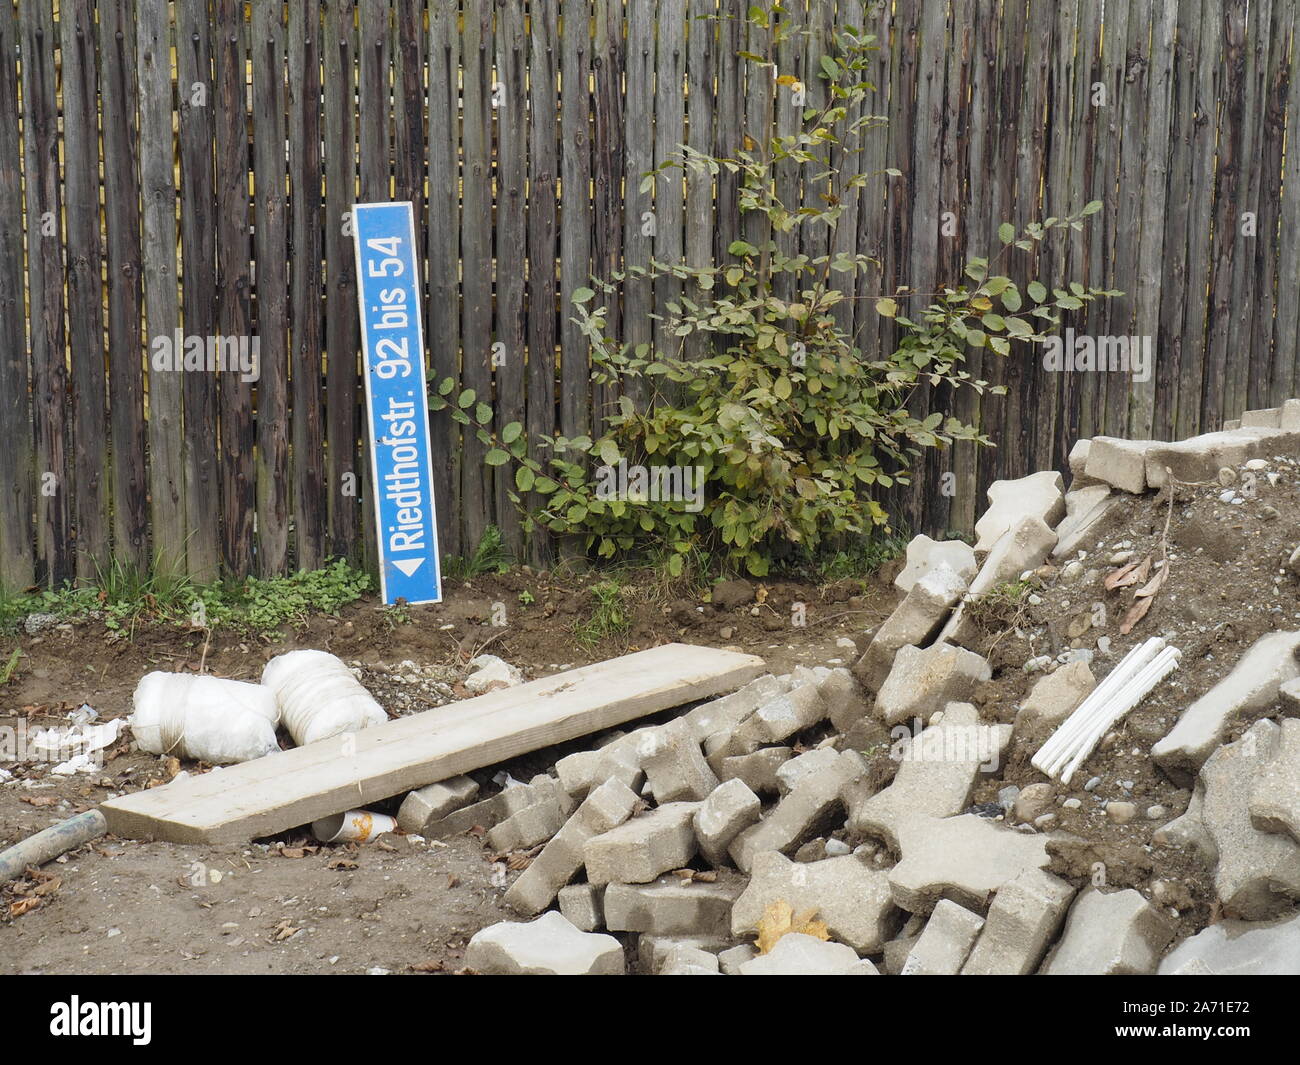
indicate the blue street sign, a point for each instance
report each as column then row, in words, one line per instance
column 397, row 408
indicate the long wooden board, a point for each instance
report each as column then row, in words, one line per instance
column 294, row 787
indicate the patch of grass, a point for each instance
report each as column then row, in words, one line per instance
column 863, row 559
column 10, row 668
column 609, row 615
column 491, row 556
column 123, row 597
column 1002, row 608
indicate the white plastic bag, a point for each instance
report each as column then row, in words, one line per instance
column 319, row 697
column 205, row 718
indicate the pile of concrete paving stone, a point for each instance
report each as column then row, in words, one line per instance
column 680, row 837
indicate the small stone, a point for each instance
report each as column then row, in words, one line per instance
column 548, row 946
column 1121, row 813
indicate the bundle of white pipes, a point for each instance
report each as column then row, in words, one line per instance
column 1126, row 685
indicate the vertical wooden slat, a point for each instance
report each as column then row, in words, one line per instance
column 408, row 98
column 543, row 162
column 444, row 257
column 1287, row 348
column 343, row 474
column 122, row 237
column 1200, row 195
column 510, row 343
column 162, row 311
column 17, row 562
column 195, row 103
column 815, row 240
column 80, row 70
column 847, row 159
column 701, row 63
column 728, row 128
column 607, row 176
column 670, row 132
column 476, row 262
column 1150, row 252
column 638, row 156
column 791, row 56
column 1273, row 390
column 269, row 96
column 308, row 439
column 1216, row 390
column 1174, row 292
column 45, row 288
column 576, row 217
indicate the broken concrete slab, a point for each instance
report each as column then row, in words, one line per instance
column 548, row 946
column 1051, row 701
column 1200, row 458
column 937, row 771
column 796, row 769
column 943, row 945
column 778, row 719
column 731, row 959
column 1251, row 686
column 606, row 807
column 652, row 951
column 671, row 906
column 637, row 851
column 1078, row 461
column 915, row 621
column 846, row 702
column 675, row 767
column 965, row 859
column 728, row 810
column 682, row 959
column 1023, row 919
column 811, row 808
column 582, row 906
column 434, row 802
column 1120, row 463
column 757, row 770
column 720, row 716
column 1269, row 418
column 851, row 897
column 796, row 954
column 1040, row 495
column 1275, row 794
column 1257, row 874
column 925, row 554
column 1115, row 934
column 1238, row 948
column 1086, row 510
column 923, row 681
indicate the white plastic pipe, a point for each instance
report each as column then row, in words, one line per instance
column 1132, row 663
column 205, row 718
column 1132, row 694
column 318, row 696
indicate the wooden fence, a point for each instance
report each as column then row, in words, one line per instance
column 173, row 170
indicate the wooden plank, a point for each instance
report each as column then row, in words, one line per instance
column 792, row 57
column 85, row 290
column 1200, row 194
column 1216, row 391
column 271, row 244
column 510, row 339
column 122, row 237
column 1084, row 246
column 238, row 499
column 543, row 166
column 408, row 97
column 198, row 287
column 342, row 340
column 670, row 189
column 638, row 156
column 305, row 269
column 17, row 558
column 1150, row 253
column 444, row 258
column 758, row 126
column 847, row 158
column 729, row 124
column 45, row 289
column 575, row 214
column 701, row 64
column 1174, row 292
column 1269, row 389
column 607, row 177
column 294, row 787
column 476, row 263
column 161, row 302
column 1288, row 252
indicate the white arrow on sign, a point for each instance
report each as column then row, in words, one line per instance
column 409, row 566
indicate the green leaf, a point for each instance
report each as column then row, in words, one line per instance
column 1006, row 232
column 1092, row 208
column 496, row 457
column 524, row 479
column 741, row 247
column 511, row 432
column 583, row 295
column 1037, row 291
column 466, row 398
column 608, row 451
column 886, row 308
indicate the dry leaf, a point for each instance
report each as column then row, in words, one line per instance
column 426, row 967
column 21, row 906
column 1153, row 585
column 340, row 863
column 39, row 800
column 780, row 918
column 1135, row 614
